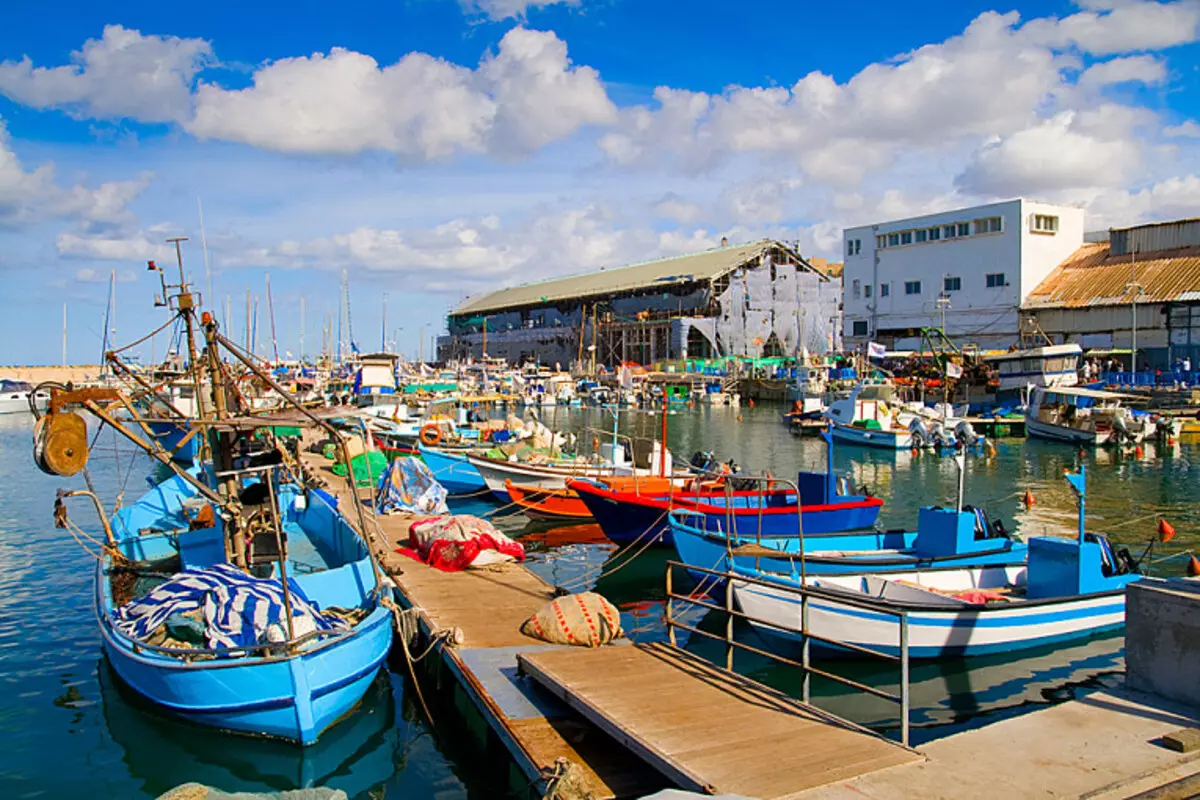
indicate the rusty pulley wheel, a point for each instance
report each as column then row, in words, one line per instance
column 60, row 445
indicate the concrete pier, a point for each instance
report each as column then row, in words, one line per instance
column 1162, row 638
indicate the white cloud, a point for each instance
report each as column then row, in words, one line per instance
column 497, row 10
column 28, row 197
column 1109, row 27
column 525, row 96
column 111, row 247
column 672, row 206
column 122, row 74
column 1185, row 130
column 1053, row 156
column 1126, row 69
column 1175, row 198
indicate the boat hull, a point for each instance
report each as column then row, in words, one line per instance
column 866, row 551
column 295, row 698
column 884, row 440
column 548, row 503
column 627, row 518
column 170, row 434
column 453, row 471
column 1060, row 433
column 931, row 633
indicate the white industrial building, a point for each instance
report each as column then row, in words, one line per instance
column 970, row 269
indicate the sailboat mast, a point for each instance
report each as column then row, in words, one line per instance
column 271, row 316
column 64, row 338
column 112, row 277
column 383, row 327
column 302, row 313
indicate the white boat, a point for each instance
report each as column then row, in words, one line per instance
column 14, row 397
column 1050, row 365
column 872, row 416
column 1083, row 416
column 554, row 475
column 1068, row 589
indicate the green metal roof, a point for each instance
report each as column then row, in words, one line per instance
column 701, row 266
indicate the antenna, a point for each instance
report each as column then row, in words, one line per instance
column 204, row 246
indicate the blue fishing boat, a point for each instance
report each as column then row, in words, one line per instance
column 452, row 470
column 233, row 593
column 293, row 687
column 176, row 437
column 1069, row 589
column 825, row 505
column 944, row 537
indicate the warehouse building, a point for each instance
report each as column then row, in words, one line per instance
column 756, row 299
column 1141, row 282
column 967, row 271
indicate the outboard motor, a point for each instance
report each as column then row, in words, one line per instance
column 1121, row 426
column 940, row 436
column 920, row 433
column 1164, row 428
column 966, row 434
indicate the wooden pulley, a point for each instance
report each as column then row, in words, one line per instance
column 60, row 443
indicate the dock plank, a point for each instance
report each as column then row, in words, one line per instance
column 707, row 729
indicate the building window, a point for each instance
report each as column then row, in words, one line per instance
column 893, row 239
column 949, row 231
column 1045, row 223
column 867, row 290
column 881, row 241
column 952, row 284
column 849, row 247
column 922, row 235
column 860, row 327
column 857, row 289
column 964, row 229
column 995, row 280
column 935, row 233
column 988, row 225
column 906, row 237
column 885, row 289
column 912, row 287
column 857, row 246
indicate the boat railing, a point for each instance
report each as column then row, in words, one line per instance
column 806, row 593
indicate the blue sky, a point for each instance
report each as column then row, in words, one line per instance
column 437, row 148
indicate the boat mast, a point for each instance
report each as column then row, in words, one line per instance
column 271, row 317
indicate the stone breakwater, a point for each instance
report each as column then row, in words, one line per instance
column 70, row 374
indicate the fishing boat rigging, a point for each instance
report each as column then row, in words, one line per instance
column 274, row 615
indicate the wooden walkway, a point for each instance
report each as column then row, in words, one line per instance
column 707, row 729
column 623, row 716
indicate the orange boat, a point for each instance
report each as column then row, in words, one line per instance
column 554, row 503
column 565, row 503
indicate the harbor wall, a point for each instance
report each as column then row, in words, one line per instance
column 68, row 374
column 1162, row 638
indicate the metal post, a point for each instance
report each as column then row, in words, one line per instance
column 729, row 624
column 283, row 579
column 805, row 647
column 904, row 699
column 670, row 622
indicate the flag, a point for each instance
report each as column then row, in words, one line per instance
column 876, row 350
column 953, row 370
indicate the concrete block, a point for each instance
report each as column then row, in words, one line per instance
column 1162, row 638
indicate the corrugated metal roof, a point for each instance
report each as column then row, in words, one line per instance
column 1092, row 276
column 705, row 265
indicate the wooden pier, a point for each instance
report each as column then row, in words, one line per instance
column 617, row 721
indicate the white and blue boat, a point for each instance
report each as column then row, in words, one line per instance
column 1068, row 589
column 287, row 686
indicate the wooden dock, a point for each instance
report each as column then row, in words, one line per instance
column 709, row 730
column 617, row 721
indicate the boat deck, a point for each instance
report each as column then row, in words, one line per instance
column 657, row 714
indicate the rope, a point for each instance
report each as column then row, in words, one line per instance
column 590, row 576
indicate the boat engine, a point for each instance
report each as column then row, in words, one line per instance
column 966, row 434
column 940, row 436
column 921, row 436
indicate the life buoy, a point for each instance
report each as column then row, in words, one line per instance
column 430, row 434
column 816, row 362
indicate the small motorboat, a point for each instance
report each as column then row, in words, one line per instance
column 1084, row 416
column 452, row 470
column 14, row 397
column 1068, row 589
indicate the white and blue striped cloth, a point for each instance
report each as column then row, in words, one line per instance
column 238, row 608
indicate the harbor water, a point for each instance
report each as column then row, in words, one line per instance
column 68, row 727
